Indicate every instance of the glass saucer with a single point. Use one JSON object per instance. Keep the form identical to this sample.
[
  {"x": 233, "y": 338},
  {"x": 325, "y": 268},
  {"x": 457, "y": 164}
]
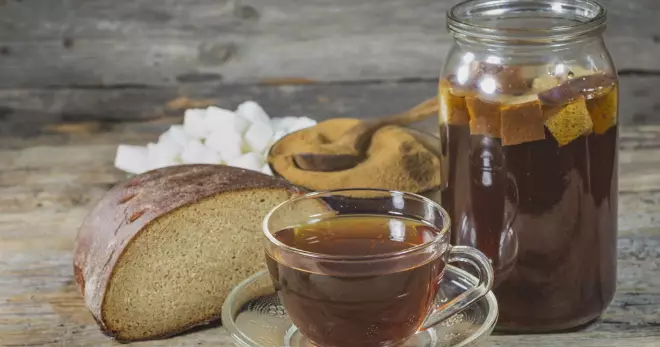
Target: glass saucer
[{"x": 255, "y": 318}]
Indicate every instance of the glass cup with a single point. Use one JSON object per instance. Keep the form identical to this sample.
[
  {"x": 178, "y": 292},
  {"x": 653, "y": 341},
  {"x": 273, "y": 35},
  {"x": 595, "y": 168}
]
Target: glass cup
[{"x": 371, "y": 299}]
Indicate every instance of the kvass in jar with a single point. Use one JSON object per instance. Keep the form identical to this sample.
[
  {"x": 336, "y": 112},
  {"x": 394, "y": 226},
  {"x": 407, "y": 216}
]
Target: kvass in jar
[{"x": 528, "y": 120}]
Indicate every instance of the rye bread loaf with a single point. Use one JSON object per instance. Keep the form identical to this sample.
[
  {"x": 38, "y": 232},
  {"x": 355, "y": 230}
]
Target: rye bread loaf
[{"x": 160, "y": 252}]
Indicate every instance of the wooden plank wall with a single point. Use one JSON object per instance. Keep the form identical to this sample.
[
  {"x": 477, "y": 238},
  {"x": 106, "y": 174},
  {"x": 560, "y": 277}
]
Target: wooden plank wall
[
  {"x": 169, "y": 42},
  {"x": 110, "y": 61}
]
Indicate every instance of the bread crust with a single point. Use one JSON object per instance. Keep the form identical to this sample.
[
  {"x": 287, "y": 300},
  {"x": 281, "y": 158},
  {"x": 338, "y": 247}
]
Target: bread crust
[{"x": 130, "y": 206}]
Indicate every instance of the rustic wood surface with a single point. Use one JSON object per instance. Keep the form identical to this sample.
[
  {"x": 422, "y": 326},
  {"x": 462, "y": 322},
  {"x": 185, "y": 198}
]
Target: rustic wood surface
[
  {"x": 79, "y": 77},
  {"x": 48, "y": 183}
]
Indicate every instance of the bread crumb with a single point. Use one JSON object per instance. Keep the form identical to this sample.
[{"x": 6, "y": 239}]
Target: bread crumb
[
  {"x": 604, "y": 110},
  {"x": 485, "y": 117},
  {"x": 522, "y": 123},
  {"x": 452, "y": 107},
  {"x": 570, "y": 122}
]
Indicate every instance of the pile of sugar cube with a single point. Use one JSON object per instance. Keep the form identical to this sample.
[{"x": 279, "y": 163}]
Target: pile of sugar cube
[{"x": 213, "y": 135}]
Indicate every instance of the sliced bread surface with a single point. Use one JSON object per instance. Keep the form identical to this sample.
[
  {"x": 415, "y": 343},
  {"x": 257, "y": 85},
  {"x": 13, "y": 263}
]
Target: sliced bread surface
[{"x": 160, "y": 252}]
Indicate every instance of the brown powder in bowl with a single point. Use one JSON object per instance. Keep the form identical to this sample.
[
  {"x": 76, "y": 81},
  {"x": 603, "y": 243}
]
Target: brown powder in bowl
[{"x": 395, "y": 160}]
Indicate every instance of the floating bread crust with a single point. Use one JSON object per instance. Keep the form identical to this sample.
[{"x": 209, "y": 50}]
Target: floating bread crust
[
  {"x": 129, "y": 207},
  {"x": 522, "y": 123},
  {"x": 570, "y": 122},
  {"x": 485, "y": 116},
  {"x": 604, "y": 110},
  {"x": 574, "y": 88},
  {"x": 452, "y": 107}
]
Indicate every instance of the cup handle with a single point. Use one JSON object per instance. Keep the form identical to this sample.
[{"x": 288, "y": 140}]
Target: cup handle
[{"x": 476, "y": 259}]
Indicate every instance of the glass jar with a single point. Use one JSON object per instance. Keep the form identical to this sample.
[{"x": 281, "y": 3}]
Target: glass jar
[{"x": 529, "y": 135}]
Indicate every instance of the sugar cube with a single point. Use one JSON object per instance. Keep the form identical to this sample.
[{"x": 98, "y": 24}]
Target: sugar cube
[
  {"x": 282, "y": 123},
  {"x": 161, "y": 154},
  {"x": 210, "y": 157},
  {"x": 175, "y": 135},
  {"x": 250, "y": 161},
  {"x": 169, "y": 149},
  {"x": 301, "y": 123},
  {"x": 220, "y": 118},
  {"x": 253, "y": 112},
  {"x": 259, "y": 137},
  {"x": 131, "y": 159},
  {"x": 278, "y": 135},
  {"x": 291, "y": 124},
  {"x": 226, "y": 142},
  {"x": 194, "y": 122},
  {"x": 266, "y": 169},
  {"x": 193, "y": 152}
]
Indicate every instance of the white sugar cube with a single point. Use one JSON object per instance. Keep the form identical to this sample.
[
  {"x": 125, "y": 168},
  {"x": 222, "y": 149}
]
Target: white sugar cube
[
  {"x": 250, "y": 161},
  {"x": 226, "y": 142},
  {"x": 217, "y": 118},
  {"x": 283, "y": 123},
  {"x": 266, "y": 169},
  {"x": 169, "y": 149},
  {"x": 215, "y": 111},
  {"x": 253, "y": 112},
  {"x": 278, "y": 135},
  {"x": 259, "y": 137},
  {"x": 291, "y": 124},
  {"x": 161, "y": 154},
  {"x": 241, "y": 124},
  {"x": 194, "y": 122},
  {"x": 301, "y": 123},
  {"x": 131, "y": 159},
  {"x": 193, "y": 152},
  {"x": 175, "y": 135},
  {"x": 211, "y": 157}
]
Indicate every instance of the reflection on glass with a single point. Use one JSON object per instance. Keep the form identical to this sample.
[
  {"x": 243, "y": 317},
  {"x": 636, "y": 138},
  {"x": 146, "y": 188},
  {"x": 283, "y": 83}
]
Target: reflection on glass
[{"x": 488, "y": 85}]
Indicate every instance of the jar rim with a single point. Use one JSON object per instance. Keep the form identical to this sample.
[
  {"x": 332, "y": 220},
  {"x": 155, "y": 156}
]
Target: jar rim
[{"x": 483, "y": 19}]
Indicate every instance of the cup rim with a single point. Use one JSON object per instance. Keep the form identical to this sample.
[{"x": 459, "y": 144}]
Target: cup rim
[{"x": 438, "y": 239}]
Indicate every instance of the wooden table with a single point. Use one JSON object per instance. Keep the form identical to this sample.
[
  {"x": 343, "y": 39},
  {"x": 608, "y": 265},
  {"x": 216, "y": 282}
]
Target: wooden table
[{"x": 79, "y": 77}]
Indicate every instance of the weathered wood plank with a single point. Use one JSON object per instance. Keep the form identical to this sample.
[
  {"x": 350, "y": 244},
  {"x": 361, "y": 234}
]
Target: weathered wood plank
[
  {"x": 38, "y": 111},
  {"x": 643, "y": 338},
  {"x": 33, "y": 111},
  {"x": 40, "y": 306},
  {"x": 153, "y": 42},
  {"x": 46, "y": 191}
]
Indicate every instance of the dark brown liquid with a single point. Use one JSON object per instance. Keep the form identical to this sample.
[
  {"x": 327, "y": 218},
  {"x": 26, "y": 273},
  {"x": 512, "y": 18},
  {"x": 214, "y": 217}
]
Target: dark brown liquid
[
  {"x": 556, "y": 263},
  {"x": 357, "y": 304}
]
